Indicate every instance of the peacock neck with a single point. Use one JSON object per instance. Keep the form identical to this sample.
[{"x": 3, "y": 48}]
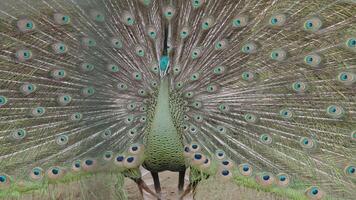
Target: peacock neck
[
  {"x": 163, "y": 143},
  {"x": 162, "y": 117},
  {"x": 162, "y": 113}
]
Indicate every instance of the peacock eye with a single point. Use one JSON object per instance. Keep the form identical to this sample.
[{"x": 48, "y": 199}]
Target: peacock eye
[
  {"x": 58, "y": 74},
  {"x": 25, "y": 25},
  {"x": 346, "y": 78},
  {"x": 248, "y": 76},
  {"x": 198, "y": 156},
  {"x": 140, "y": 51},
  {"x": 130, "y": 159},
  {"x": 3, "y": 179},
  {"x": 38, "y": 111},
  {"x": 88, "y": 42},
  {"x": 77, "y": 165},
  {"x": 3, "y": 101},
  {"x": 197, "y": 104},
  {"x": 131, "y": 106},
  {"x": 132, "y": 132},
  {"x": 193, "y": 129},
  {"x": 61, "y": 19},
  {"x": 108, "y": 155},
  {"x": 225, "y": 172},
  {"x": 222, "y": 44},
  {"x": 196, "y": 53},
  {"x": 335, "y": 111},
  {"x": 351, "y": 43},
  {"x": 314, "y": 192},
  {"x": 353, "y": 135},
  {"x": 129, "y": 119},
  {"x": 116, "y": 43},
  {"x": 313, "y": 60},
  {"x": 169, "y": 12},
  {"x": 152, "y": 33},
  {"x": 55, "y": 172},
  {"x": 207, "y": 23},
  {"x": 350, "y": 171},
  {"x": 97, "y": 16},
  {"x": 251, "y": 118},
  {"x": 88, "y": 91},
  {"x": 122, "y": 86},
  {"x": 62, "y": 140},
  {"x": 307, "y": 143},
  {"x": 265, "y": 178},
  {"x": 286, "y": 114},
  {"x": 23, "y": 55},
  {"x": 59, "y": 48},
  {"x": 106, "y": 134},
  {"x": 28, "y": 88},
  {"x": 198, "y": 118},
  {"x": 189, "y": 94},
  {"x": 299, "y": 86},
  {"x": 249, "y": 48},
  {"x": 223, "y": 107},
  {"x": 76, "y": 117},
  {"x": 278, "y": 20},
  {"x": 278, "y": 55},
  {"x": 120, "y": 158},
  {"x": 184, "y": 33},
  {"x": 36, "y": 173},
  {"x": 313, "y": 24},
  {"x": 64, "y": 100},
  {"x": 245, "y": 168},
  {"x": 87, "y": 67},
  {"x": 266, "y": 139},
  {"x": 220, "y": 154},
  {"x": 219, "y": 70},
  {"x": 186, "y": 149},
  {"x": 195, "y": 77},
  {"x": 197, "y": 3},
  {"x": 18, "y": 134},
  {"x": 88, "y": 163},
  {"x": 240, "y": 21}
]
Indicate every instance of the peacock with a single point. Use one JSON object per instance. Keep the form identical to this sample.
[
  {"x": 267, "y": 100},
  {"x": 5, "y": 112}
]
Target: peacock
[{"x": 244, "y": 97}]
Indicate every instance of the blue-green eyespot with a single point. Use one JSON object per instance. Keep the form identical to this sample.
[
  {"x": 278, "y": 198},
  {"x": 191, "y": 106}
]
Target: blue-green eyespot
[
  {"x": 240, "y": 21},
  {"x": 25, "y": 25},
  {"x": 61, "y": 19},
  {"x": 207, "y": 23},
  {"x": 313, "y": 24},
  {"x": 184, "y": 32},
  {"x": 97, "y": 16},
  {"x": 278, "y": 20},
  {"x": 3, "y": 101}
]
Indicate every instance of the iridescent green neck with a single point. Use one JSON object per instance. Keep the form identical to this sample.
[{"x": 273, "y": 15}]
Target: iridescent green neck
[
  {"x": 164, "y": 145},
  {"x": 162, "y": 114}
]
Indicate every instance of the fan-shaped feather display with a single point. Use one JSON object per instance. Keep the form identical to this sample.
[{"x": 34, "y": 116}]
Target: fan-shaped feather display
[{"x": 248, "y": 95}]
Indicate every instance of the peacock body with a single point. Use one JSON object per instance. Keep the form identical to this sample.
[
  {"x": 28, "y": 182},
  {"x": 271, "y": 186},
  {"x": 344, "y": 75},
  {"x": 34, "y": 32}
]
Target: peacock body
[{"x": 247, "y": 96}]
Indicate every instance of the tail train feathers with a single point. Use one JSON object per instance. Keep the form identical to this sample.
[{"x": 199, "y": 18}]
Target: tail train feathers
[{"x": 257, "y": 93}]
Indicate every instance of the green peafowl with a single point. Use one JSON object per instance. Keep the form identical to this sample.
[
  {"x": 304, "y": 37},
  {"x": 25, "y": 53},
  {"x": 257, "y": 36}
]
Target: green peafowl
[{"x": 254, "y": 94}]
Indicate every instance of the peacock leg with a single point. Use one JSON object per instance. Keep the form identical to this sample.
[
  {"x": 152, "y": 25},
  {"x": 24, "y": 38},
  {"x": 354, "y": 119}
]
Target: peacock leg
[
  {"x": 143, "y": 186},
  {"x": 181, "y": 181},
  {"x": 186, "y": 191},
  {"x": 157, "y": 184}
]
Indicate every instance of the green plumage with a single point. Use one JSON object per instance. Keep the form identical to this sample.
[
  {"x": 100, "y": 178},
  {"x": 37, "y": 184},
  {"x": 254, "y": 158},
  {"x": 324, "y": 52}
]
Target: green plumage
[
  {"x": 163, "y": 139},
  {"x": 256, "y": 95}
]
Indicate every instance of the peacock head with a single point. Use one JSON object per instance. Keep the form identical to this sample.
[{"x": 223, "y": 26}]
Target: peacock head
[{"x": 164, "y": 66}]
